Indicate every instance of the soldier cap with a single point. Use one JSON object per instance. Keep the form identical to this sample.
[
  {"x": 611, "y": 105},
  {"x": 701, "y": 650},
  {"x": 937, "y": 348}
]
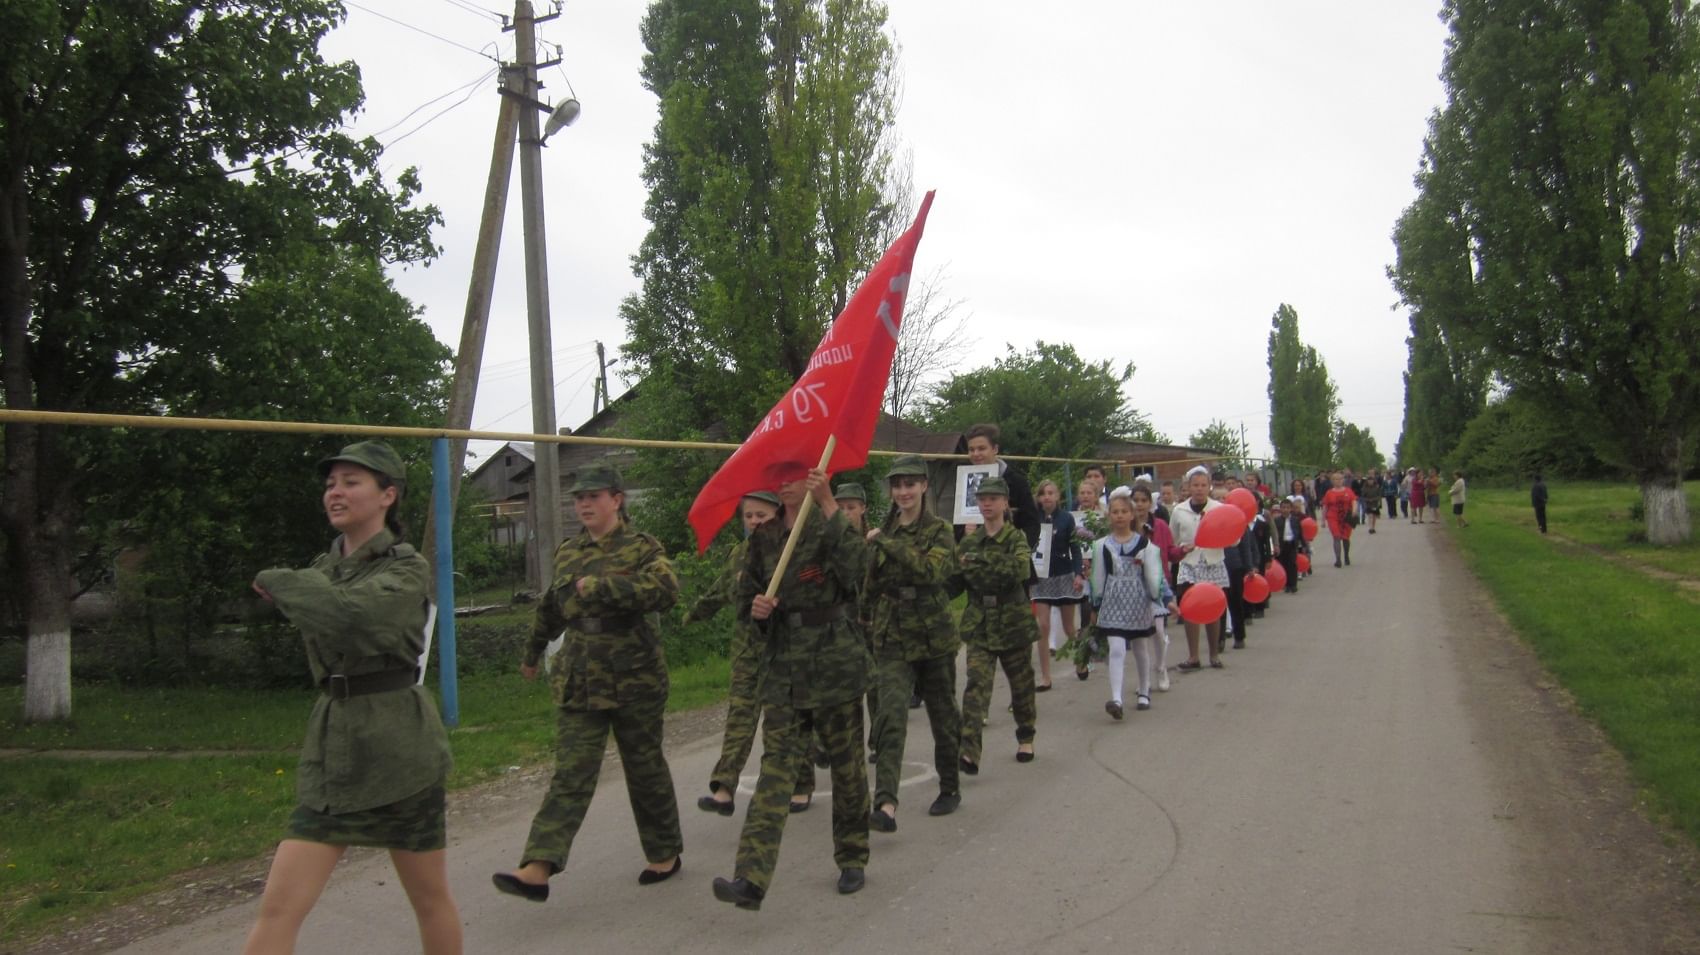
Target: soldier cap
[
  {"x": 596, "y": 477},
  {"x": 850, "y": 491},
  {"x": 907, "y": 465},
  {"x": 374, "y": 456},
  {"x": 766, "y": 497},
  {"x": 993, "y": 485}
]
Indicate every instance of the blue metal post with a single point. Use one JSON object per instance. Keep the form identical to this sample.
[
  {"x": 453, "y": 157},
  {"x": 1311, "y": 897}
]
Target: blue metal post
[{"x": 447, "y": 678}]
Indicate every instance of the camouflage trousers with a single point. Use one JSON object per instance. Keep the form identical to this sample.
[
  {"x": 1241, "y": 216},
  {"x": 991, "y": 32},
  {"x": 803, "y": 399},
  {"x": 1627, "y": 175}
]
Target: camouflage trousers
[
  {"x": 935, "y": 680},
  {"x": 743, "y": 712},
  {"x": 976, "y": 700},
  {"x": 581, "y": 736},
  {"x": 785, "y": 740}
]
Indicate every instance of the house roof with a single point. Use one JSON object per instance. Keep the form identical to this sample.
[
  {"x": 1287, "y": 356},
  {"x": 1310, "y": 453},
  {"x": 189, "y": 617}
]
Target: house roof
[{"x": 524, "y": 449}]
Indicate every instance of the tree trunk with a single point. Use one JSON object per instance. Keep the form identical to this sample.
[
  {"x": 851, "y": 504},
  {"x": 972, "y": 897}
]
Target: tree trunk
[
  {"x": 1666, "y": 507},
  {"x": 47, "y": 681}
]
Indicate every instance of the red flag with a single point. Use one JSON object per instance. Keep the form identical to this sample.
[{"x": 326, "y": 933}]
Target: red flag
[{"x": 839, "y": 394}]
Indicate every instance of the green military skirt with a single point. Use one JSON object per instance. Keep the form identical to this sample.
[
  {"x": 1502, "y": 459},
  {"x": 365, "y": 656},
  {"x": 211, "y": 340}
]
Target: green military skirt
[{"x": 414, "y": 824}]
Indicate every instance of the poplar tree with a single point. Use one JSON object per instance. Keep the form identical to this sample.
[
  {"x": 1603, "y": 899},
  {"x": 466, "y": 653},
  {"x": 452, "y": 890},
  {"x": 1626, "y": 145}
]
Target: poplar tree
[{"x": 1302, "y": 397}]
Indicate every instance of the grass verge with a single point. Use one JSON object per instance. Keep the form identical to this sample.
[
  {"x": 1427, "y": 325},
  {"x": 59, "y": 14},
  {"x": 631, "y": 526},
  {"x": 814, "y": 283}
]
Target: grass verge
[
  {"x": 146, "y": 819},
  {"x": 1620, "y": 641}
]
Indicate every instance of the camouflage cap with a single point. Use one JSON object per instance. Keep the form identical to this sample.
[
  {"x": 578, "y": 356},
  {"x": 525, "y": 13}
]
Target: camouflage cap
[
  {"x": 374, "y": 456},
  {"x": 850, "y": 491},
  {"x": 907, "y": 465},
  {"x": 596, "y": 477},
  {"x": 993, "y": 485},
  {"x": 766, "y": 497}
]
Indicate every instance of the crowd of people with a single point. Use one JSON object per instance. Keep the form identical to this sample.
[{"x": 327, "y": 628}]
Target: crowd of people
[{"x": 842, "y": 624}]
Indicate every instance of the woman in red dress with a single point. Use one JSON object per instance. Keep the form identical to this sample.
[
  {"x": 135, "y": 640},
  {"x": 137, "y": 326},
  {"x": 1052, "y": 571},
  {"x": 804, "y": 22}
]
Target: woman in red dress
[
  {"x": 1419, "y": 497},
  {"x": 1337, "y": 505}
]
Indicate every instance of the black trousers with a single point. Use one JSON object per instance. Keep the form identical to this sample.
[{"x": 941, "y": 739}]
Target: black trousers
[
  {"x": 1541, "y": 516},
  {"x": 1289, "y": 558},
  {"x": 1236, "y": 602}
]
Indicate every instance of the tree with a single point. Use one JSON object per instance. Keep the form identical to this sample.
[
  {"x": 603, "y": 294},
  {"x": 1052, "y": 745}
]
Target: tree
[
  {"x": 147, "y": 175},
  {"x": 1224, "y": 439},
  {"x": 1047, "y": 402},
  {"x": 1576, "y": 168},
  {"x": 767, "y": 203},
  {"x": 1302, "y": 397},
  {"x": 930, "y": 342},
  {"x": 1354, "y": 448}
]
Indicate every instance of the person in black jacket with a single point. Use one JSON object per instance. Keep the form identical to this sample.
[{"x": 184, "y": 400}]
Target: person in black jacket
[
  {"x": 983, "y": 449},
  {"x": 1241, "y": 560},
  {"x": 1538, "y": 497},
  {"x": 1287, "y": 537}
]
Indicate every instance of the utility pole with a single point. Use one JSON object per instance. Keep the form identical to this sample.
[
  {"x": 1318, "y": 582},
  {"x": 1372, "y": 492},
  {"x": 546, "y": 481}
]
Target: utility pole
[
  {"x": 476, "y": 321},
  {"x": 599, "y": 399},
  {"x": 546, "y": 478}
]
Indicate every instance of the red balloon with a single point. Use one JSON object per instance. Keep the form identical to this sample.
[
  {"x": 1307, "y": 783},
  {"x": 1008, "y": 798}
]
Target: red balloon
[
  {"x": 1307, "y": 527},
  {"x": 1221, "y": 527},
  {"x": 1245, "y": 501},
  {"x": 1276, "y": 577},
  {"x": 1203, "y": 603},
  {"x": 1303, "y": 563},
  {"x": 1256, "y": 588}
]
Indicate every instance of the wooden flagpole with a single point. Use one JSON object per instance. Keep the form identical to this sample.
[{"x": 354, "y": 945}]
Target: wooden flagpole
[{"x": 797, "y": 528}]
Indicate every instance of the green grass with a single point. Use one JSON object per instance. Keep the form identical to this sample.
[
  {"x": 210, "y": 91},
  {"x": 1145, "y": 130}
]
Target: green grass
[
  {"x": 1620, "y": 641},
  {"x": 150, "y": 818},
  {"x": 1596, "y": 513}
]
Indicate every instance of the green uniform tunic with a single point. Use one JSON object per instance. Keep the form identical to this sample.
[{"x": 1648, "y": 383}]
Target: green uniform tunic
[
  {"x": 915, "y": 645},
  {"x": 609, "y": 676},
  {"x": 998, "y": 627},
  {"x": 815, "y": 664},
  {"x": 359, "y": 615}
]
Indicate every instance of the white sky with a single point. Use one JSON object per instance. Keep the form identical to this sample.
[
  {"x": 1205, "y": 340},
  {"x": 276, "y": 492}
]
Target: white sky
[{"x": 1146, "y": 181}]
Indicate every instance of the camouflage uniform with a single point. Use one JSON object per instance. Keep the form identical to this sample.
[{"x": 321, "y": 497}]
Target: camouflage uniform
[
  {"x": 915, "y": 646},
  {"x": 609, "y": 676},
  {"x": 815, "y": 663},
  {"x": 998, "y": 627},
  {"x": 743, "y": 695}
]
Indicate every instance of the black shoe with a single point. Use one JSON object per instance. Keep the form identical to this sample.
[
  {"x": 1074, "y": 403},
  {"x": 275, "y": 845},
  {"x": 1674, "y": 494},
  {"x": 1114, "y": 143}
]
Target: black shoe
[
  {"x": 882, "y": 820},
  {"x": 873, "y": 757},
  {"x": 970, "y": 767},
  {"x": 711, "y": 804},
  {"x": 797, "y": 807},
  {"x": 1239, "y": 643},
  {"x": 650, "y": 876},
  {"x": 946, "y": 804},
  {"x": 739, "y": 892},
  {"x": 914, "y": 701},
  {"x": 821, "y": 762},
  {"x": 1022, "y": 757},
  {"x": 851, "y": 881},
  {"x": 1336, "y": 563},
  {"x": 509, "y": 884}
]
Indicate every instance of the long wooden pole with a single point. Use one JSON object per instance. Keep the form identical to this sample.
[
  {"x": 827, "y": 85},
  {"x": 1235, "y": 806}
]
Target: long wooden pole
[{"x": 797, "y": 528}]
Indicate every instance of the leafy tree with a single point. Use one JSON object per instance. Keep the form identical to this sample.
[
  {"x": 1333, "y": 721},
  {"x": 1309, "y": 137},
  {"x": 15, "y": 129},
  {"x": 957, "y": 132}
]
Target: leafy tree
[
  {"x": 147, "y": 179},
  {"x": 1354, "y": 448},
  {"x": 929, "y": 343},
  {"x": 1224, "y": 439},
  {"x": 1047, "y": 402},
  {"x": 1302, "y": 397},
  {"x": 1575, "y": 173},
  {"x": 1513, "y": 438},
  {"x": 767, "y": 205}
]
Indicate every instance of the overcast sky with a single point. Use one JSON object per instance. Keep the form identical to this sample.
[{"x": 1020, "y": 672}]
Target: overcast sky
[{"x": 1145, "y": 181}]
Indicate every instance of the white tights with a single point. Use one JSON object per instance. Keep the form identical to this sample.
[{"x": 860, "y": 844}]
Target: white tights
[
  {"x": 1160, "y": 644},
  {"x": 1141, "y": 663}
]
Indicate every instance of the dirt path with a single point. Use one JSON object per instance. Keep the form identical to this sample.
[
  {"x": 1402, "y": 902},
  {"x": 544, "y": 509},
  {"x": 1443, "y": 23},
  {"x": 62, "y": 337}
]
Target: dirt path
[{"x": 1386, "y": 769}]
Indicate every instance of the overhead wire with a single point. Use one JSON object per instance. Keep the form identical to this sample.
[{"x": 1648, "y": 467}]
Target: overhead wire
[
  {"x": 471, "y": 90},
  {"x": 421, "y": 30},
  {"x": 436, "y": 99},
  {"x": 476, "y": 10},
  {"x": 587, "y": 366}
]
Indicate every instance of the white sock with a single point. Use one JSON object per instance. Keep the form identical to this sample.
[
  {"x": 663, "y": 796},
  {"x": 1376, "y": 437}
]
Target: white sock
[
  {"x": 1160, "y": 645},
  {"x": 1118, "y": 660},
  {"x": 1142, "y": 662}
]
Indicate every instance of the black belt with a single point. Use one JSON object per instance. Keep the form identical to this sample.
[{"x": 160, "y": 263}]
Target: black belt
[
  {"x": 815, "y": 618},
  {"x": 608, "y": 624},
  {"x": 340, "y": 686},
  {"x": 914, "y": 593},
  {"x": 993, "y": 600}
]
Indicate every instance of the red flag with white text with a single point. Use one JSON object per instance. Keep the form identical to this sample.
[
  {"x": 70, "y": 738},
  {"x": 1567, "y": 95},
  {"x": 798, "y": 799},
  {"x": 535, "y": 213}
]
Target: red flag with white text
[{"x": 839, "y": 394}]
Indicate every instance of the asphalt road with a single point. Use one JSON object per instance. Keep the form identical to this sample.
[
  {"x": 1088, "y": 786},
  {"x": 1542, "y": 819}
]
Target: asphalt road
[{"x": 1339, "y": 787}]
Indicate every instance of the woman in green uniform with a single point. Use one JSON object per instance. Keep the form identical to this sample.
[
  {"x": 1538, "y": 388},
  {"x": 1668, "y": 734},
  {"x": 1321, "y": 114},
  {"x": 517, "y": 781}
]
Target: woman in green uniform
[
  {"x": 608, "y": 677},
  {"x": 911, "y": 561},
  {"x": 996, "y": 625},
  {"x": 743, "y": 697},
  {"x": 815, "y": 659},
  {"x": 373, "y": 763}
]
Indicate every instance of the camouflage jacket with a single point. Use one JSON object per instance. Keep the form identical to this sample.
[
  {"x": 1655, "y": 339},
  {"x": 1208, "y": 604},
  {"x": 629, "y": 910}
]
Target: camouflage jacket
[
  {"x": 724, "y": 592},
  {"x": 812, "y": 651},
  {"x": 994, "y": 571},
  {"x": 363, "y": 614},
  {"x": 612, "y": 652},
  {"x": 909, "y": 572}
]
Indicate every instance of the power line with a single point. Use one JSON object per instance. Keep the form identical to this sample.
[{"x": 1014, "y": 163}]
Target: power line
[
  {"x": 422, "y": 30},
  {"x": 558, "y": 385},
  {"x": 436, "y": 99},
  {"x": 476, "y": 10},
  {"x": 471, "y": 89}
]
